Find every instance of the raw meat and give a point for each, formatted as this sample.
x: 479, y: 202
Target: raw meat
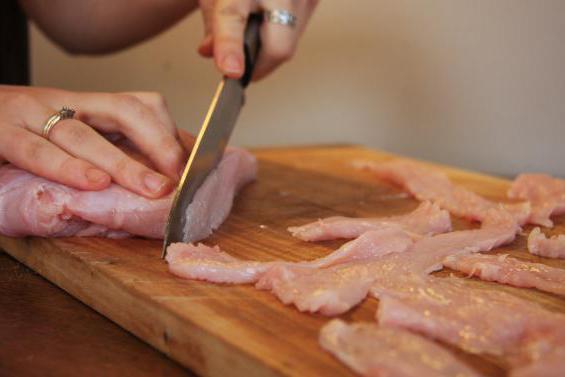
x: 539, y: 244
x: 337, y: 289
x: 328, y: 291
x: 372, y: 350
x: 429, y: 184
x: 511, y: 271
x: 203, y: 262
x: 547, y: 195
x: 427, y: 219
x: 30, y: 205
x: 476, y: 320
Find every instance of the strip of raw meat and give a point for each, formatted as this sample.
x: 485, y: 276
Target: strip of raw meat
x: 429, y: 184
x: 370, y: 245
x: 547, y: 195
x: 539, y: 244
x: 30, y: 205
x: 329, y: 291
x: 427, y: 219
x: 203, y: 262
x: 476, y: 320
x: 427, y: 254
x: 511, y: 271
x: 372, y: 350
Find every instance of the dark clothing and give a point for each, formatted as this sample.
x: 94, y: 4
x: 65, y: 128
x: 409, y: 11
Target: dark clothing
x: 14, y: 54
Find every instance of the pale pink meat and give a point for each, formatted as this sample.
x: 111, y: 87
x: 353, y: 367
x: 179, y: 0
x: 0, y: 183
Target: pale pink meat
x: 508, y: 270
x: 430, y: 184
x: 328, y: 291
x: 203, y: 262
x: 427, y: 219
x: 372, y: 350
x: 539, y: 244
x: 476, y: 320
x: 337, y: 289
x: 30, y: 205
x: 546, y: 194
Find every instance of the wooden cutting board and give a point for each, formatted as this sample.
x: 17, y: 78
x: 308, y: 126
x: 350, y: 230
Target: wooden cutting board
x: 237, y: 330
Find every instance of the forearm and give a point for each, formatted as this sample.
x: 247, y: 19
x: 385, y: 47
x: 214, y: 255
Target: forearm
x: 101, y: 26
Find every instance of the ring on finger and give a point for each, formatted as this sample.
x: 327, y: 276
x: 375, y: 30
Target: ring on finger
x: 280, y: 16
x: 64, y: 113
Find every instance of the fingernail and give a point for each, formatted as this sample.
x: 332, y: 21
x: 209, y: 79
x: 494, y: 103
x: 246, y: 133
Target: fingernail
x: 154, y: 182
x: 95, y: 175
x: 231, y: 64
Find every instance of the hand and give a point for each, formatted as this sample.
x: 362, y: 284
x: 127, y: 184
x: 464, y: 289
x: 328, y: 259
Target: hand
x: 225, y: 21
x: 75, y: 154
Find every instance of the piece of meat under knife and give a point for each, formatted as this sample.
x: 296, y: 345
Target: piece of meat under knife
x: 31, y: 205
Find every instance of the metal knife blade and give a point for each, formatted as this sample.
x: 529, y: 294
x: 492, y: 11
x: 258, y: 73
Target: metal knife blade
x: 212, y: 138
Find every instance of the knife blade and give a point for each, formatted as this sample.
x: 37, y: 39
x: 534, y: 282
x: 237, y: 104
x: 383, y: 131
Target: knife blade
x: 213, y: 137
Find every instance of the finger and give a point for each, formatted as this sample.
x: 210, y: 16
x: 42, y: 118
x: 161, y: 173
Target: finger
x: 83, y: 142
x: 187, y: 139
x: 130, y: 116
x: 206, y: 47
x: 38, y: 156
x: 207, y: 9
x: 157, y: 103
x: 230, y: 19
x: 278, y: 42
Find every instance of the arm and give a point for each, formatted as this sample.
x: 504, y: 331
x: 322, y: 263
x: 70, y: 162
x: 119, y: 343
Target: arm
x: 101, y: 26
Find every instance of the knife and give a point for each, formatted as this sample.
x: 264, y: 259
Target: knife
x: 213, y: 136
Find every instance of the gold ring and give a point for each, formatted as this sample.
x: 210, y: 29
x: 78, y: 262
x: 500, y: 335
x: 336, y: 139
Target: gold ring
x: 64, y: 113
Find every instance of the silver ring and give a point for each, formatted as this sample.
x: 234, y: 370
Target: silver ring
x: 281, y: 17
x: 64, y: 113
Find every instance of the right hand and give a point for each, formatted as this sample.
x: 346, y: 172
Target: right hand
x: 76, y: 154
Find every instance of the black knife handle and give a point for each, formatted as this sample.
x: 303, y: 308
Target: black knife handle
x: 251, y: 46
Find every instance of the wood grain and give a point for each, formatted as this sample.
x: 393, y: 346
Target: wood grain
x: 45, y: 332
x: 219, y: 330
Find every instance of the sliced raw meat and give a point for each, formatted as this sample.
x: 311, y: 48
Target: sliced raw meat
x: 511, y: 271
x: 372, y: 350
x: 203, y: 262
x: 429, y: 184
x: 427, y: 219
x: 337, y: 289
x: 476, y: 320
x: 547, y: 195
x: 427, y: 254
x: 369, y: 246
x: 539, y: 244
x: 328, y: 291
x: 30, y: 205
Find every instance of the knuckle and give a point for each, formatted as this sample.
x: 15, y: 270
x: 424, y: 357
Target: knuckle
x: 20, y: 101
x: 158, y: 100
x: 71, y: 164
x: 121, y: 166
x: 234, y: 10
x: 34, y: 150
x: 127, y: 101
x: 280, y: 53
x: 75, y: 133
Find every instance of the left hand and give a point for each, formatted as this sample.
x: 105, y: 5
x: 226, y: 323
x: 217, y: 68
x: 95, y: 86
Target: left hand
x: 225, y: 21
